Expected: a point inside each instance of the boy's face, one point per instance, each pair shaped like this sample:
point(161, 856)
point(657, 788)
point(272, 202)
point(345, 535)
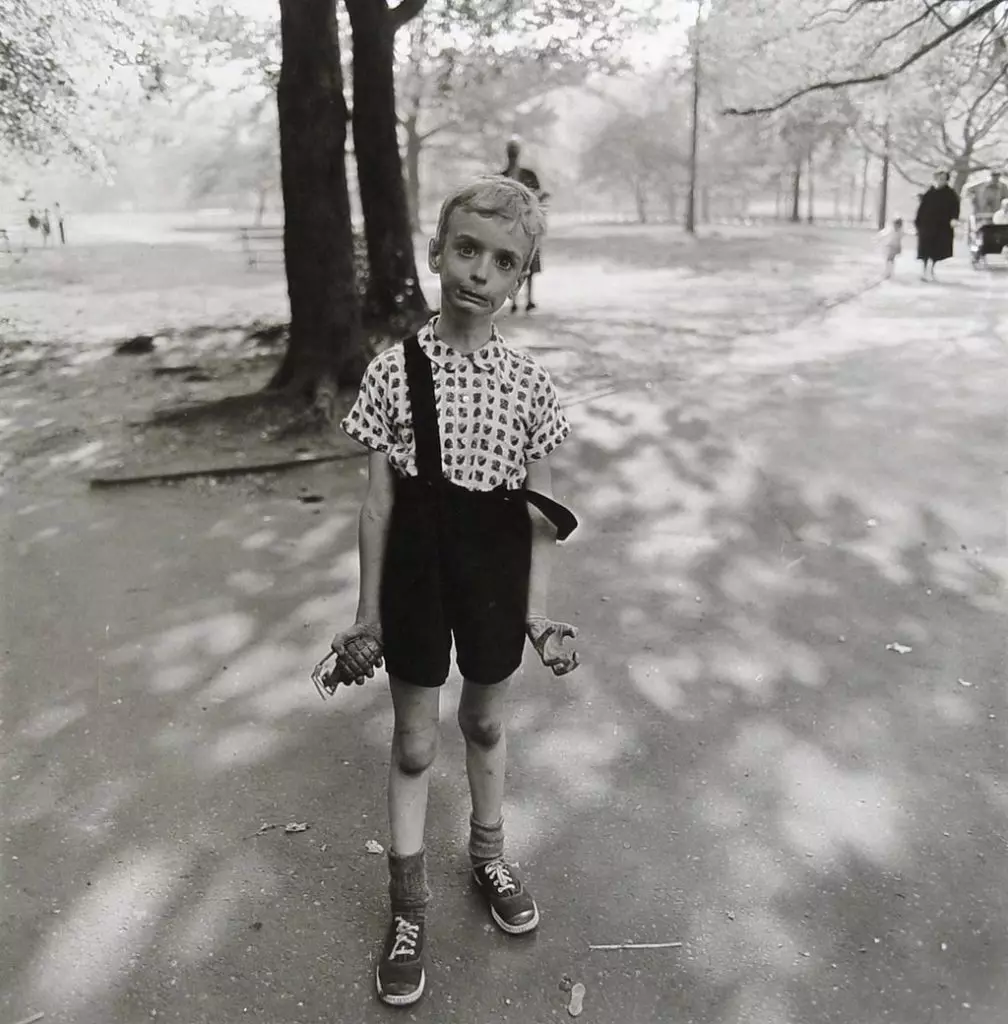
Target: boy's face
point(480, 266)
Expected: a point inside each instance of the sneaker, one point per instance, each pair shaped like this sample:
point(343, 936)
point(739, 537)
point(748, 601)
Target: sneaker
point(511, 905)
point(400, 975)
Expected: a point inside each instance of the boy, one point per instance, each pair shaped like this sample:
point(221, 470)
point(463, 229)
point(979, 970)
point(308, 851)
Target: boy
point(453, 545)
point(892, 244)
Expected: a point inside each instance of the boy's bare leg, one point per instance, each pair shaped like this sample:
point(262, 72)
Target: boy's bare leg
point(481, 718)
point(414, 748)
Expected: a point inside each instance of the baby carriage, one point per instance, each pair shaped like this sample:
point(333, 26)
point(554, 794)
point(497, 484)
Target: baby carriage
point(988, 230)
point(986, 239)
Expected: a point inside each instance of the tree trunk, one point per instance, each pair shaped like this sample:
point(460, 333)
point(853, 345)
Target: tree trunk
point(883, 203)
point(414, 146)
point(393, 296)
point(640, 200)
point(961, 172)
point(809, 190)
point(796, 193)
point(862, 208)
point(325, 347)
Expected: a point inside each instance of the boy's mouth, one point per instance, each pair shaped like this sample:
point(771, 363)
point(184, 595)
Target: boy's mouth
point(471, 296)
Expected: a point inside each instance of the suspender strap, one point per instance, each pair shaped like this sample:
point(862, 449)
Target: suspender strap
point(420, 381)
point(559, 515)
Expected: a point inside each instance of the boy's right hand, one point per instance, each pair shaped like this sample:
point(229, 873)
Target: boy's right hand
point(358, 652)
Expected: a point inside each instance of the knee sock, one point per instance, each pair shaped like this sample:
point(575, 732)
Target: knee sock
point(486, 842)
point(408, 883)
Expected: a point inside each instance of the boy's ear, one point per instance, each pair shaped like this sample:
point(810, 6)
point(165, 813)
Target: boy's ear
point(433, 256)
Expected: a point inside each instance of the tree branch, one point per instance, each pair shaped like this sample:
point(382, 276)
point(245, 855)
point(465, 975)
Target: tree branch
point(880, 76)
point(404, 11)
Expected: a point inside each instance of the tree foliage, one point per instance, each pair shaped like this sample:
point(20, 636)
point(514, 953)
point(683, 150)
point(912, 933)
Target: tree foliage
point(949, 111)
point(64, 66)
point(788, 51)
point(471, 74)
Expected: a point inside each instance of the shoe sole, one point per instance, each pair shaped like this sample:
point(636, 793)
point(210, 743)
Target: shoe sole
point(515, 929)
point(407, 1000)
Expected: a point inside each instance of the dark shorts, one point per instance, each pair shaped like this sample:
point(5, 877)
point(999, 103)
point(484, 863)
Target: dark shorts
point(460, 571)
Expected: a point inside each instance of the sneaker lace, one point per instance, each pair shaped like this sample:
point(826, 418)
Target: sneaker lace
point(498, 873)
point(407, 934)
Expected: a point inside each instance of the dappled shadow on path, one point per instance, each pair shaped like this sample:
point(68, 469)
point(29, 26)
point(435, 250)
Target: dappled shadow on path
point(741, 764)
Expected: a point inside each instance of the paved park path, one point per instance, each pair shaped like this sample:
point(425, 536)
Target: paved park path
point(746, 764)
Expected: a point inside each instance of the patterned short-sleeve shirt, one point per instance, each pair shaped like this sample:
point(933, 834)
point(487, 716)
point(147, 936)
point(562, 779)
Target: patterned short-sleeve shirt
point(497, 411)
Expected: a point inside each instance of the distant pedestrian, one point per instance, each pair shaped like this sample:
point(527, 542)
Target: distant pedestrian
point(987, 197)
point(938, 210)
point(46, 227)
point(527, 177)
point(892, 244)
point(58, 211)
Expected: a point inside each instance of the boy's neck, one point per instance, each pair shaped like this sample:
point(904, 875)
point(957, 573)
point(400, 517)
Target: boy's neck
point(464, 334)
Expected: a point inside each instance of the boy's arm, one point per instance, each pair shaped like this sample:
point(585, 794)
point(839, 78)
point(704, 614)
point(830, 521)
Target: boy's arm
point(540, 478)
point(547, 635)
point(372, 534)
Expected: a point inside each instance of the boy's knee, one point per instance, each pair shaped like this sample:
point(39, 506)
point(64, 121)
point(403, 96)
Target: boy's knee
point(415, 750)
point(483, 730)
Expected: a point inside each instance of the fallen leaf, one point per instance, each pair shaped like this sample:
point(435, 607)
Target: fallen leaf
point(899, 648)
point(296, 826)
point(576, 1004)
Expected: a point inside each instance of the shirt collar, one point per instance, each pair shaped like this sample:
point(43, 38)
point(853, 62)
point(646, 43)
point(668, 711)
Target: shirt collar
point(489, 357)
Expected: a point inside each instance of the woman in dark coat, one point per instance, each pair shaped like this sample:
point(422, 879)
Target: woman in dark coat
point(939, 207)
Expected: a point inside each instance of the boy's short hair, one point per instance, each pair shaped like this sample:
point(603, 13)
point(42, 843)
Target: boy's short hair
point(494, 195)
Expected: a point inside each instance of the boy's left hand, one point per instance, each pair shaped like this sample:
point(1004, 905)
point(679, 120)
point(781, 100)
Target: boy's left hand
point(547, 637)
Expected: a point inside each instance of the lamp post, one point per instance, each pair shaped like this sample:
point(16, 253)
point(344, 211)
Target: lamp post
point(694, 126)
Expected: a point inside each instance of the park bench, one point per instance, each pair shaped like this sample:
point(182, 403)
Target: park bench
point(263, 245)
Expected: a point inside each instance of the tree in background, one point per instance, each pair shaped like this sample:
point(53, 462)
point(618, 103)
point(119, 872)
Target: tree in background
point(819, 47)
point(470, 75)
point(640, 152)
point(949, 110)
point(62, 67)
